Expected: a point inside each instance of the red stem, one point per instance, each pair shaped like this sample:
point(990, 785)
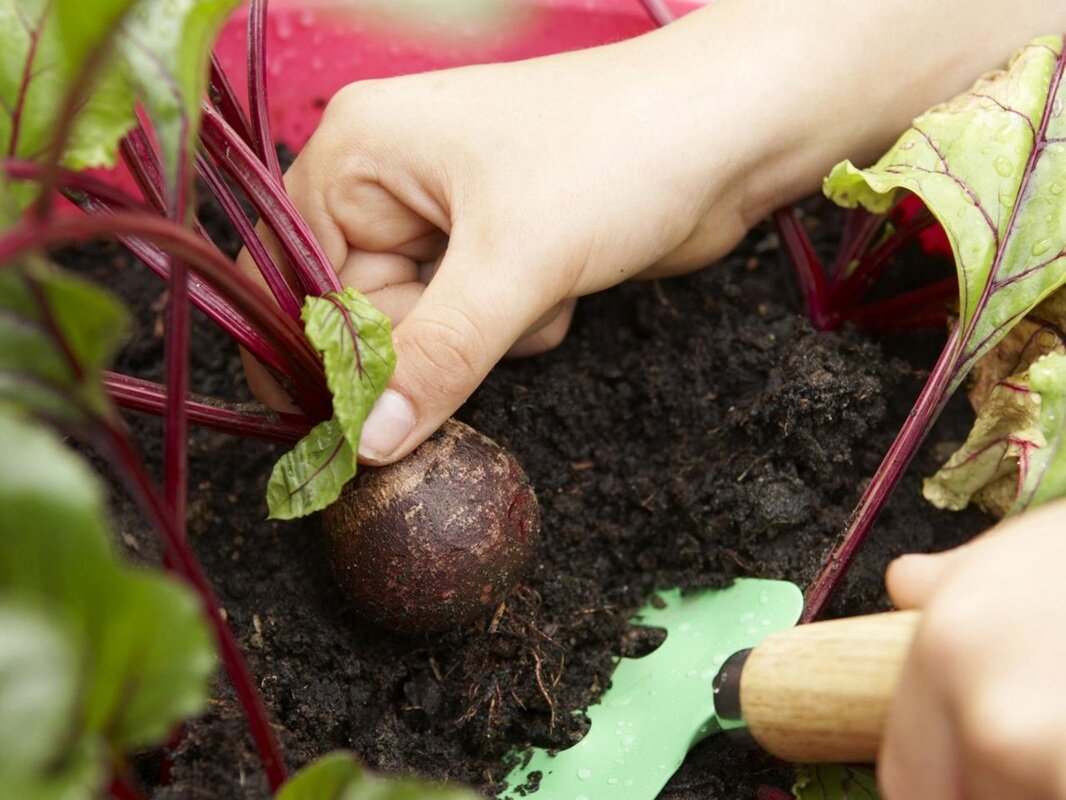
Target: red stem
point(809, 270)
point(206, 299)
point(279, 287)
point(927, 408)
point(267, 194)
point(247, 298)
point(258, 95)
point(80, 182)
point(771, 793)
point(176, 364)
point(860, 226)
point(185, 563)
point(122, 789)
point(850, 291)
point(142, 160)
point(252, 420)
point(897, 313)
point(225, 99)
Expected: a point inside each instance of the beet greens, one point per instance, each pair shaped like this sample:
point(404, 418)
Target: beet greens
point(83, 85)
point(991, 166)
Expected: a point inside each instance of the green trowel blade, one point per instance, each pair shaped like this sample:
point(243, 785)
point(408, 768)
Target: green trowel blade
point(660, 705)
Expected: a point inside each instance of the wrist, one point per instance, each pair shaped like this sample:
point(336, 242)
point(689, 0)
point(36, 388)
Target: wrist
point(776, 92)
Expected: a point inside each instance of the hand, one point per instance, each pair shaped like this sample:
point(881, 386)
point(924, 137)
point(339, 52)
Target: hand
point(980, 713)
point(519, 187)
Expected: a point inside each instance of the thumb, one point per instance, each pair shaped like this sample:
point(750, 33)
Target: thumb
point(462, 325)
point(912, 580)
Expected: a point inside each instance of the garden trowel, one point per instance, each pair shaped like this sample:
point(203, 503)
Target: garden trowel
point(731, 661)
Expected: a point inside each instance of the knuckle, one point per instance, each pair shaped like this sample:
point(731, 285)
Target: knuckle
point(448, 350)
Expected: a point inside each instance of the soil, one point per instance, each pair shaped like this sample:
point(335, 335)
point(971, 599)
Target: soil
point(688, 432)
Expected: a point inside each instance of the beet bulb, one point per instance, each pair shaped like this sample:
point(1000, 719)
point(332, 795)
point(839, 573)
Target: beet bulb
point(436, 540)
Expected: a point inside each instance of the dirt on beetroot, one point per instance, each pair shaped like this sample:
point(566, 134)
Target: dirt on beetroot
point(687, 432)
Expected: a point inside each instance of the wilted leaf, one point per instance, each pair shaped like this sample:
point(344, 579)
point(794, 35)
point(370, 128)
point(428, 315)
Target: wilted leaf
point(985, 469)
point(832, 782)
point(1045, 478)
point(991, 166)
point(339, 776)
point(989, 468)
point(1041, 332)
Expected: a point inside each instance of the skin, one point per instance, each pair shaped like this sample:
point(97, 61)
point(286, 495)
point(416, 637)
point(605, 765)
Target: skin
point(475, 205)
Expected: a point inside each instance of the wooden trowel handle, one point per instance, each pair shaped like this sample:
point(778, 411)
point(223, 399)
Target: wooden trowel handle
point(821, 692)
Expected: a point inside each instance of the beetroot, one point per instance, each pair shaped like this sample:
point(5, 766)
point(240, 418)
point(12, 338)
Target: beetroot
point(435, 541)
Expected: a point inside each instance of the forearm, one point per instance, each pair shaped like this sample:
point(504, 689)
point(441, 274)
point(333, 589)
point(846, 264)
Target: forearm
point(792, 87)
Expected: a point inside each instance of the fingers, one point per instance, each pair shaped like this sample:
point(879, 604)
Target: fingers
point(918, 759)
point(911, 580)
point(546, 333)
point(460, 327)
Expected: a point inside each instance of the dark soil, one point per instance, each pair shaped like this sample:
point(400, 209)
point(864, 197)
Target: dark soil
point(687, 432)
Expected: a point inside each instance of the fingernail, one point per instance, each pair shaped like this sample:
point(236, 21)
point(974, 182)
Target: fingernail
point(390, 422)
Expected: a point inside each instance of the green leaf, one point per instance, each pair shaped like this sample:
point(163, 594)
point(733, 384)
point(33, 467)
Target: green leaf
point(57, 333)
point(832, 782)
point(166, 45)
point(43, 48)
point(38, 690)
point(311, 475)
point(146, 657)
point(1045, 476)
point(355, 341)
point(338, 776)
point(991, 166)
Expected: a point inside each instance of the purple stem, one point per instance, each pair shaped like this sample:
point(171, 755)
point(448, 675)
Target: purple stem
point(98, 198)
point(144, 165)
point(860, 226)
point(184, 562)
point(848, 292)
point(930, 403)
point(205, 298)
point(176, 365)
point(79, 182)
point(249, 300)
point(279, 287)
point(251, 420)
point(258, 96)
point(300, 246)
point(900, 312)
point(809, 270)
point(122, 789)
point(225, 99)
point(659, 12)
point(771, 793)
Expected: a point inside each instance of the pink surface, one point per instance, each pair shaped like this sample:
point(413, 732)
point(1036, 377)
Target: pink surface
point(314, 51)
